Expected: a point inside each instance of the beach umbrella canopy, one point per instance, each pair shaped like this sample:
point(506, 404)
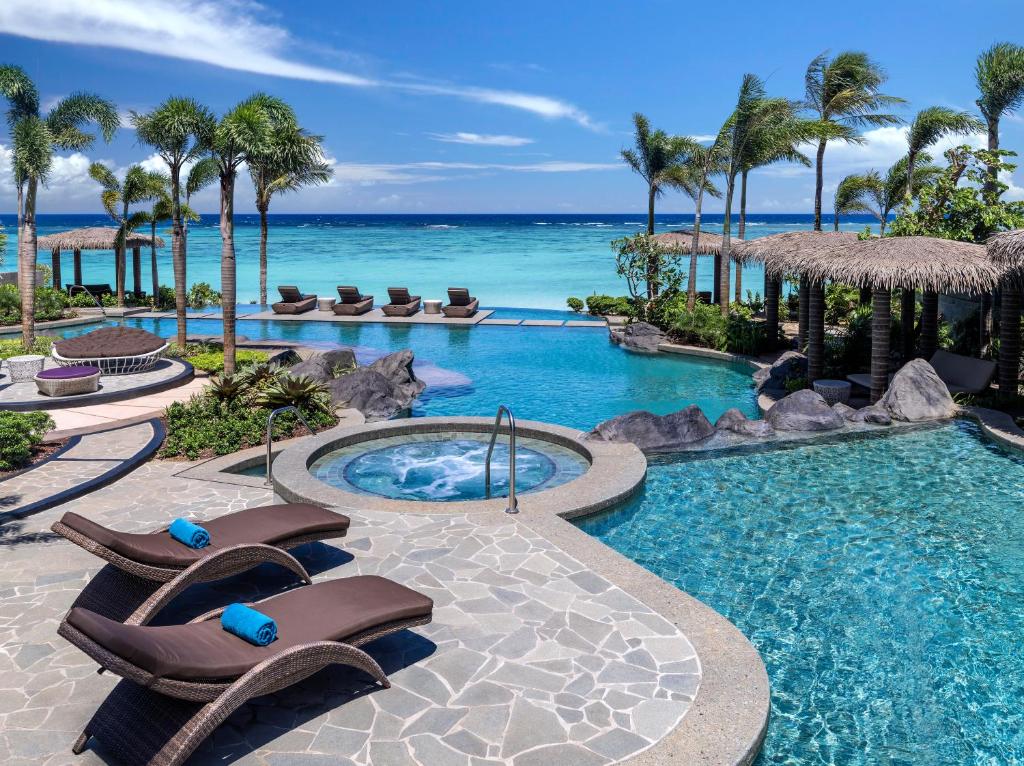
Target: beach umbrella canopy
point(93, 238)
point(681, 241)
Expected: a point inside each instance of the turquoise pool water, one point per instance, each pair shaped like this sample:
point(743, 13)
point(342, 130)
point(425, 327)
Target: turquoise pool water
point(445, 468)
point(881, 579)
point(565, 375)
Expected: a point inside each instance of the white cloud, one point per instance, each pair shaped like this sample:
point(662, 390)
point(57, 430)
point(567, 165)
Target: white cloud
point(480, 139)
point(367, 174)
point(704, 137)
point(230, 35)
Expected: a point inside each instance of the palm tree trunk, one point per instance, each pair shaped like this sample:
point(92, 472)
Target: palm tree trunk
point(993, 145)
point(263, 253)
point(55, 267)
point(652, 264)
point(881, 319)
point(27, 266)
point(773, 287)
point(815, 331)
point(929, 323)
point(819, 181)
point(723, 284)
point(911, 161)
point(742, 234)
point(137, 271)
point(1009, 338)
point(119, 272)
point(77, 262)
point(801, 327)
point(691, 282)
point(835, 221)
point(178, 256)
point(227, 267)
point(152, 264)
point(908, 301)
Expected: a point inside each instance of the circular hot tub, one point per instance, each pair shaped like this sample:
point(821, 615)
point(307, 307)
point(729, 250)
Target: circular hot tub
point(438, 465)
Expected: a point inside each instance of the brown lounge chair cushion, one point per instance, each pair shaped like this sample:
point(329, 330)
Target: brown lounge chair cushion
point(352, 295)
point(327, 611)
point(268, 524)
point(109, 342)
point(460, 303)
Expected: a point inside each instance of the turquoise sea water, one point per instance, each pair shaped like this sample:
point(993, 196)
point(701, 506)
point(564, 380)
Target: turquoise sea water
point(882, 581)
point(533, 261)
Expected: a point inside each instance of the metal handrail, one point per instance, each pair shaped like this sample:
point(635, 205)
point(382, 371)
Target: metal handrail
point(270, 436)
point(513, 504)
point(85, 290)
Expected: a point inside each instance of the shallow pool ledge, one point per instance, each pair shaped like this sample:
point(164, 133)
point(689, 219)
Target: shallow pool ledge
point(615, 473)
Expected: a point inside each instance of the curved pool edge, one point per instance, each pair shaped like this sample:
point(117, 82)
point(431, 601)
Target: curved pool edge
point(616, 471)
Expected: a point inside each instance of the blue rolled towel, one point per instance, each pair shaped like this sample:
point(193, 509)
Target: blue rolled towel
point(192, 535)
point(246, 623)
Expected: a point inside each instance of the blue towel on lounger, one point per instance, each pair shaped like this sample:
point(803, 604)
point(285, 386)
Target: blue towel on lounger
point(192, 535)
point(248, 624)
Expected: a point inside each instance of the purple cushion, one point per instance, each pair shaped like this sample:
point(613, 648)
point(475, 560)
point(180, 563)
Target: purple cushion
point(69, 373)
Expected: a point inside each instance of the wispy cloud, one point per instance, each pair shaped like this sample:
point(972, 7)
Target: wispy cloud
point(230, 35)
point(367, 174)
point(480, 139)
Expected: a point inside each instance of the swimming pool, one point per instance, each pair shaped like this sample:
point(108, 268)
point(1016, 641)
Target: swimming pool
point(571, 376)
point(881, 579)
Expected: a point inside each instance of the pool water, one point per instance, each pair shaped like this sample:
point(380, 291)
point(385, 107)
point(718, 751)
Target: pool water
point(882, 581)
point(570, 376)
point(448, 468)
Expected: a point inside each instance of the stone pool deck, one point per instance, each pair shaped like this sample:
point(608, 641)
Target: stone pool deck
point(546, 646)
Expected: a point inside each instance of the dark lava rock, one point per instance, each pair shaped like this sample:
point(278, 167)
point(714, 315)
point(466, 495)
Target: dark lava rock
point(735, 421)
point(803, 411)
point(790, 365)
point(638, 336)
point(656, 433)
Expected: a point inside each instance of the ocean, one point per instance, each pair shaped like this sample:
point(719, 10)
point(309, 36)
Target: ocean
point(521, 260)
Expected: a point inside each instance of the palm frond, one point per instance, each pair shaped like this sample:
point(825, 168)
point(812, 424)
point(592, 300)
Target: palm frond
point(70, 113)
point(999, 73)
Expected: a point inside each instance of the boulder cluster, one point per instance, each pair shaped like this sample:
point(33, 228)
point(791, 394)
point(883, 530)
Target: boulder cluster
point(379, 390)
point(638, 336)
point(916, 394)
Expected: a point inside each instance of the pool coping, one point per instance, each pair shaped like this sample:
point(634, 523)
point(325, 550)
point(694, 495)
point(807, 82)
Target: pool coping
point(616, 471)
point(997, 426)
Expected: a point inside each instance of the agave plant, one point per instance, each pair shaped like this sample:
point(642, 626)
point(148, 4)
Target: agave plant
point(260, 375)
point(299, 391)
point(227, 388)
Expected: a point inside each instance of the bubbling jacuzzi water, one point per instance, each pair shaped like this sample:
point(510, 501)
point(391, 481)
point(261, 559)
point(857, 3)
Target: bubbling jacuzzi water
point(446, 467)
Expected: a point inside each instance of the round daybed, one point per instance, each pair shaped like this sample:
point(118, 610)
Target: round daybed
point(68, 381)
point(115, 350)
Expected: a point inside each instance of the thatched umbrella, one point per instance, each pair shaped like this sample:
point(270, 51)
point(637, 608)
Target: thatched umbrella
point(784, 254)
point(681, 241)
point(884, 264)
point(1006, 250)
point(98, 238)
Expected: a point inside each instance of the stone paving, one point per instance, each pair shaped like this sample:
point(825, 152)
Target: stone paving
point(89, 458)
point(531, 658)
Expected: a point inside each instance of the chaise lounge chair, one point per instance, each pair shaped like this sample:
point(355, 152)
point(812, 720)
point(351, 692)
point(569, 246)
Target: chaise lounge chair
point(402, 304)
point(961, 374)
point(351, 302)
point(293, 302)
point(182, 681)
point(461, 305)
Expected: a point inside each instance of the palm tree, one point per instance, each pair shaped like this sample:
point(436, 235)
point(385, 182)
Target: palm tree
point(928, 126)
point(161, 211)
point(849, 198)
point(999, 72)
point(34, 139)
point(880, 196)
point(179, 129)
point(203, 173)
point(843, 95)
point(660, 159)
point(245, 132)
point(293, 160)
point(139, 185)
point(705, 163)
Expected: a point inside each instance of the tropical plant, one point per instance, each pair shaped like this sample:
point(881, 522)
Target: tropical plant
point(842, 94)
point(634, 257)
point(20, 434)
point(261, 374)
point(880, 196)
point(291, 160)
point(574, 304)
point(179, 130)
point(999, 73)
point(299, 391)
point(706, 162)
point(226, 388)
point(246, 131)
point(930, 125)
point(849, 198)
point(603, 305)
point(203, 173)
point(34, 139)
point(139, 185)
point(162, 210)
point(202, 294)
point(661, 160)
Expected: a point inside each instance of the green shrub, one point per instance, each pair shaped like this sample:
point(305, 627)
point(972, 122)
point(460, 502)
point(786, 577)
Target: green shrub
point(299, 391)
point(10, 304)
point(602, 305)
point(13, 347)
point(212, 360)
point(20, 433)
point(165, 299)
point(704, 326)
point(202, 295)
point(795, 384)
point(575, 304)
point(50, 304)
point(840, 301)
point(81, 300)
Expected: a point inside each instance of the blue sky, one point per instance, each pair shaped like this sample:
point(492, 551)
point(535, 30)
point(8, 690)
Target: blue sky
point(488, 107)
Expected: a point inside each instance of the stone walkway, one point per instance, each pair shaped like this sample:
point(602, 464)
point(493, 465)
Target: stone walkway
point(532, 659)
point(74, 419)
point(87, 459)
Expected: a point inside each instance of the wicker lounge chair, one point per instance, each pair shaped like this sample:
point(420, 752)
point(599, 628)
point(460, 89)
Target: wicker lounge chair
point(68, 381)
point(402, 304)
point(961, 374)
point(351, 302)
point(461, 304)
point(293, 302)
point(115, 350)
point(182, 681)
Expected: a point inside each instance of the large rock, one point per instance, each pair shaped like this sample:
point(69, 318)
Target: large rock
point(792, 364)
point(656, 433)
point(639, 336)
point(369, 392)
point(873, 414)
point(735, 421)
point(325, 366)
point(803, 411)
point(917, 393)
point(397, 368)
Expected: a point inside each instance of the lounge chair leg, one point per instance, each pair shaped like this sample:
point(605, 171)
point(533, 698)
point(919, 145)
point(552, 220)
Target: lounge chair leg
point(79, 747)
